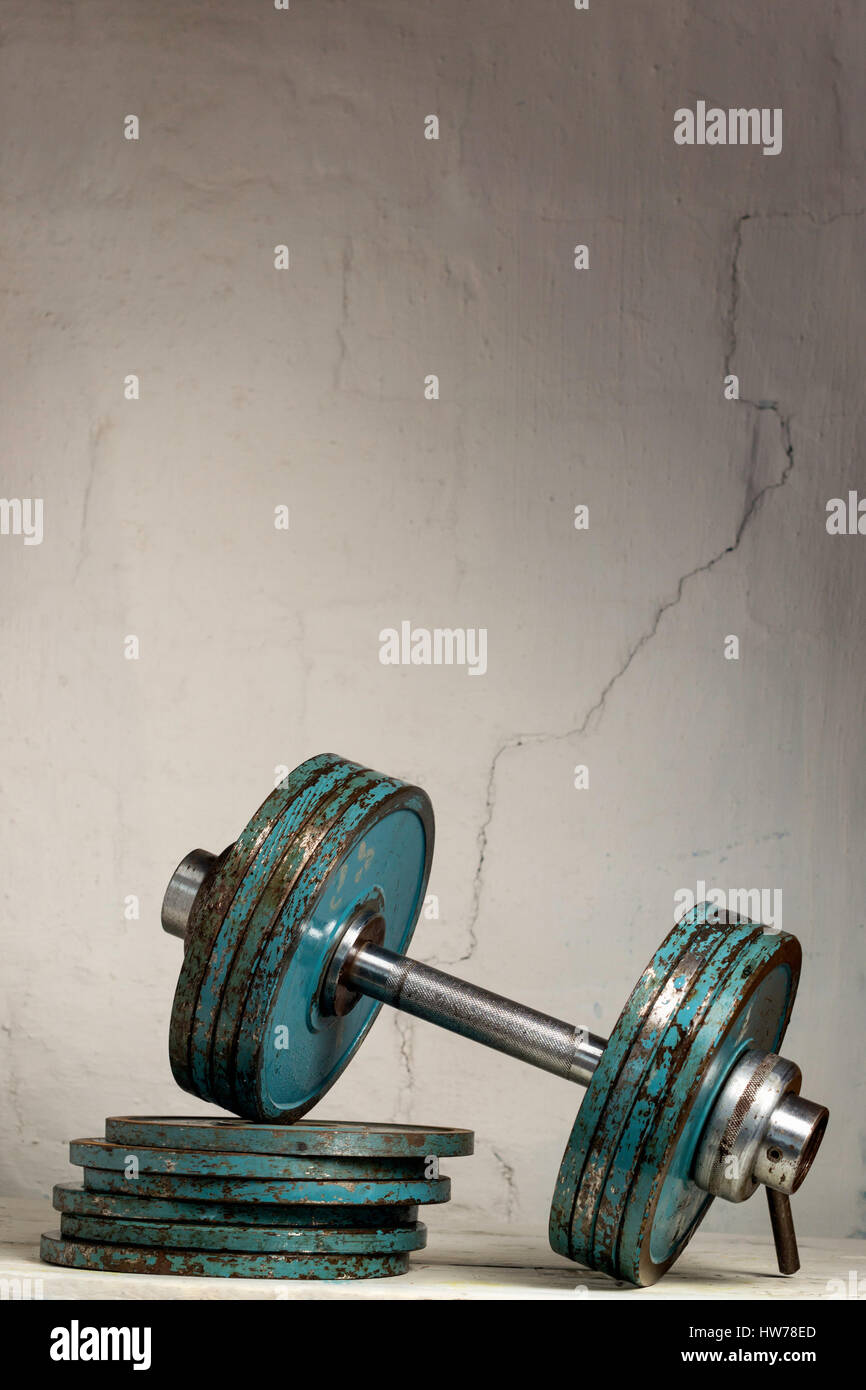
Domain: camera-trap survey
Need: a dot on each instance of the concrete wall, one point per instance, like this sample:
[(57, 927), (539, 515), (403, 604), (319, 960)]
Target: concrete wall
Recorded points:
[(305, 388)]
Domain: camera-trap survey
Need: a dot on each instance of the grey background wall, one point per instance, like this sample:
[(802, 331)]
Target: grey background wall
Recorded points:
[(559, 387)]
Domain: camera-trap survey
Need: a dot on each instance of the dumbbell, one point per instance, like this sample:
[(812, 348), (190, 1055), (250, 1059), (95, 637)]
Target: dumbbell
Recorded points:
[(295, 936)]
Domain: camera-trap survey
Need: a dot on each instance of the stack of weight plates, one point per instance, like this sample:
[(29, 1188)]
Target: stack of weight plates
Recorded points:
[(223, 1197)]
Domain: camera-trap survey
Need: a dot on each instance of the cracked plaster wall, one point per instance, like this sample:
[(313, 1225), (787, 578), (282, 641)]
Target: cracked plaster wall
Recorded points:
[(558, 387)]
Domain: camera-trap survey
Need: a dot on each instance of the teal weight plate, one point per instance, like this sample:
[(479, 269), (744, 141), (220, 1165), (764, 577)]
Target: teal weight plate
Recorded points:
[(72, 1199), (140, 1259), (665, 1206), (189, 1235), (664, 1040), (212, 904), (400, 1192), (304, 786), (315, 1137), (377, 853), (342, 786), (695, 983), (98, 1153), (626, 1057)]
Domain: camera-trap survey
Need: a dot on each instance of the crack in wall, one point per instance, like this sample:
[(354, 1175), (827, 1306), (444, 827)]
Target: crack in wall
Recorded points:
[(342, 345), (734, 295), (97, 435), (752, 504), (406, 1089), (13, 1083), (512, 1200)]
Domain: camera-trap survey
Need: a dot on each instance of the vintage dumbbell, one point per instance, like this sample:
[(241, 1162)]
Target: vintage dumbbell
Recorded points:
[(294, 936)]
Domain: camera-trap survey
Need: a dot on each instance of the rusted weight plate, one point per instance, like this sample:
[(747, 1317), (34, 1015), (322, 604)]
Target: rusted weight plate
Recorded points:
[(226, 960), (75, 1200), (212, 904), (614, 1166), (619, 1052), (400, 1192), (281, 1053), (316, 1137), (338, 790), (98, 1153), (692, 976), (139, 1259), (627, 1054), (211, 1235), (700, 974), (665, 1207)]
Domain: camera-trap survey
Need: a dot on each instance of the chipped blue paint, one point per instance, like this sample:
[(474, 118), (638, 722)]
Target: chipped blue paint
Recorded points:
[(139, 1259), (208, 913), (339, 789), (245, 1032), (97, 1153), (659, 1074), (381, 847), (71, 1198), (387, 1192), (628, 1055), (670, 1152), (227, 952), (353, 1138), (191, 1235)]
